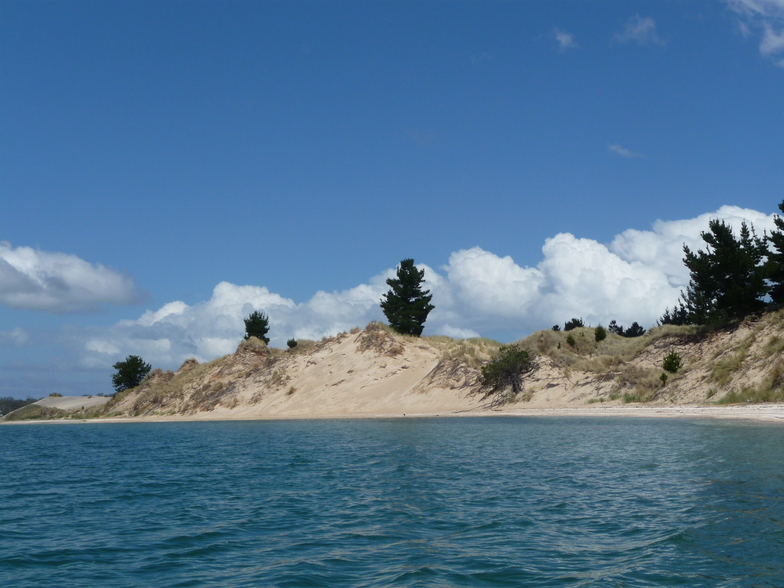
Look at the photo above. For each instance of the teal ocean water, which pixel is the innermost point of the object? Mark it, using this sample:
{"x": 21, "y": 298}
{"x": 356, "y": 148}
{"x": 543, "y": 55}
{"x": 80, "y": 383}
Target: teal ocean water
{"x": 422, "y": 502}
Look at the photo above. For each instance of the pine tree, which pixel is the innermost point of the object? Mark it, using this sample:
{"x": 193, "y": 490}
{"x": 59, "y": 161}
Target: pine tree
{"x": 775, "y": 263}
{"x": 678, "y": 316}
{"x": 634, "y": 331}
{"x": 406, "y": 305}
{"x": 130, "y": 373}
{"x": 257, "y": 325}
{"x": 728, "y": 279}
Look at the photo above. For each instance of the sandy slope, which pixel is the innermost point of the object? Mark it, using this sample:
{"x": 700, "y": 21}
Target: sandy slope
{"x": 73, "y": 402}
{"x": 368, "y": 373}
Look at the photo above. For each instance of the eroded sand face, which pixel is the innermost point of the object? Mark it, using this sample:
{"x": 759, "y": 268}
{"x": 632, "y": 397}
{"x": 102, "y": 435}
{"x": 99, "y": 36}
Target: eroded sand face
{"x": 73, "y": 402}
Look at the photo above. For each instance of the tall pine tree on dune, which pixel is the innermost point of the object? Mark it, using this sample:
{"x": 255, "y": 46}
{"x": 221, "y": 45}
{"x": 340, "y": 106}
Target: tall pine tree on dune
{"x": 728, "y": 278}
{"x": 775, "y": 263}
{"x": 406, "y": 305}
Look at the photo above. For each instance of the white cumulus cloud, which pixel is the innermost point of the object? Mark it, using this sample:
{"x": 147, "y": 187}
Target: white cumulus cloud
{"x": 213, "y": 328}
{"x": 477, "y": 292}
{"x": 662, "y": 248}
{"x": 59, "y": 282}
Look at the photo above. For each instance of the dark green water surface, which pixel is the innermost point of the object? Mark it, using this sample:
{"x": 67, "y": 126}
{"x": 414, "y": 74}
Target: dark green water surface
{"x": 419, "y": 502}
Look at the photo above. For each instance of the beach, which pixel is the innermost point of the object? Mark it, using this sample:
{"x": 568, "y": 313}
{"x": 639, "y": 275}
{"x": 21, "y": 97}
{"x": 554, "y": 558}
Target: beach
{"x": 753, "y": 412}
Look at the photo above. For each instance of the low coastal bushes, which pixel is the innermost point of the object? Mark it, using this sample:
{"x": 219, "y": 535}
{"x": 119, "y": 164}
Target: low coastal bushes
{"x": 506, "y": 371}
{"x": 579, "y": 349}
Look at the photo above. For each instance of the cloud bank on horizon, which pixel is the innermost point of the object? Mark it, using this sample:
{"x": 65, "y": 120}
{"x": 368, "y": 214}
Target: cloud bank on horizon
{"x": 633, "y": 278}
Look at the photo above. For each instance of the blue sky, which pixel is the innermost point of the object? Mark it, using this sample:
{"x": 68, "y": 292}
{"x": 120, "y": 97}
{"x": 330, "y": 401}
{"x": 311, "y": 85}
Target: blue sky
{"x": 168, "y": 167}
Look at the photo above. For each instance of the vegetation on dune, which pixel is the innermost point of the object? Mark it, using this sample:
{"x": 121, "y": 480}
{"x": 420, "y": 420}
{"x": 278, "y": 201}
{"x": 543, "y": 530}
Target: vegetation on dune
{"x": 614, "y": 359}
{"x": 257, "y": 325}
{"x": 35, "y": 412}
{"x": 162, "y": 392}
{"x": 130, "y": 373}
{"x": 733, "y": 278}
{"x": 672, "y": 362}
{"x": 775, "y": 263}
{"x": 752, "y": 396}
{"x": 9, "y": 404}
{"x": 474, "y": 352}
{"x": 728, "y": 278}
{"x": 634, "y": 331}
{"x": 406, "y": 305}
{"x": 506, "y": 371}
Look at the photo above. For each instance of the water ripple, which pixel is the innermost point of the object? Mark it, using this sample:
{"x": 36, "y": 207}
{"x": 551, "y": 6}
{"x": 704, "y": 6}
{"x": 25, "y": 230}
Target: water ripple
{"x": 429, "y": 502}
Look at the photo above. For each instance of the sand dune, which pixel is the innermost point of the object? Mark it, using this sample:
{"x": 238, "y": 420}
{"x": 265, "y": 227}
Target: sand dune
{"x": 377, "y": 373}
{"x": 73, "y": 402}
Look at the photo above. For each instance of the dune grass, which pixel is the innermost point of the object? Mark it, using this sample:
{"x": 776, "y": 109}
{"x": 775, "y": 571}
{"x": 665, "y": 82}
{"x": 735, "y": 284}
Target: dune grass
{"x": 162, "y": 393}
{"x": 475, "y": 352}
{"x": 35, "y": 412}
{"x": 600, "y": 357}
{"x": 752, "y": 396}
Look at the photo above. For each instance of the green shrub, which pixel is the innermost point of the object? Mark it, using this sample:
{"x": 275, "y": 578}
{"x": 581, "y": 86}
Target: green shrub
{"x": 55, "y": 395}
{"x": 573, "y": 324}
{"x": 506, "y": 369}
{"x": 570, "y": 340}
{"x": 292, "y": 343}
{"x": 600, "y": 333}
{"x": 663, "y": 378}
{"x": 672, "y": 362}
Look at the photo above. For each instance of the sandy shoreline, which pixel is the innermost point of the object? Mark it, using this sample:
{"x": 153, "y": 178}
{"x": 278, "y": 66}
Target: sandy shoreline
{"x": 755, "y": 412}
